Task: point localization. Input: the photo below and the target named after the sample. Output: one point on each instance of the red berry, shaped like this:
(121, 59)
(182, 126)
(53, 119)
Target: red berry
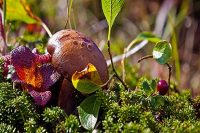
(162, 87)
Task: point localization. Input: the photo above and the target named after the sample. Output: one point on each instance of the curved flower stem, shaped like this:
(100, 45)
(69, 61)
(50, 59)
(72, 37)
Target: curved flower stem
(115, 73)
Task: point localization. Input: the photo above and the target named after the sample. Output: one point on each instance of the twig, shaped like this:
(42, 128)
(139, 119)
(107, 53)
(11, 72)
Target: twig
(46, 29)
(116, 75)
(145, 57)
(170, 72)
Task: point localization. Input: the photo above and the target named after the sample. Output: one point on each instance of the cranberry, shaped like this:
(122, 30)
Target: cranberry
(162, 87)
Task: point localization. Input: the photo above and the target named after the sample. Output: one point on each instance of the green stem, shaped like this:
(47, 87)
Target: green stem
(176, 56)
(109, 31)
(115, 73)
(170, 72)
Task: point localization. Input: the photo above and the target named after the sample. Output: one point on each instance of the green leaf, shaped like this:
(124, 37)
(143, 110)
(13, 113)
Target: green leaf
(111, 9)
(16, 11)
(86, 86)
(148, 36)
(162, 52)
(88, 80)
(88, 112)
(146, 87)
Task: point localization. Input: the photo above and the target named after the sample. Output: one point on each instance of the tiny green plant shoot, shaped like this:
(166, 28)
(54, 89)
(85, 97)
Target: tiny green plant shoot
(111, 9)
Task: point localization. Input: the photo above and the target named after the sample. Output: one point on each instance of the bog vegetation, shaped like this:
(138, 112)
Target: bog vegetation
(43, 88)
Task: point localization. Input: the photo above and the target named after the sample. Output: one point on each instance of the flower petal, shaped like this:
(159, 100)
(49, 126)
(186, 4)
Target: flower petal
(16, 79)
(22, 57)
(23, 61)
(41, 98)
(49, 76)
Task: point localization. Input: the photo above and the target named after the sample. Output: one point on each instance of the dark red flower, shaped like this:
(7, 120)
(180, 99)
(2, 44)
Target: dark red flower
(32, 72)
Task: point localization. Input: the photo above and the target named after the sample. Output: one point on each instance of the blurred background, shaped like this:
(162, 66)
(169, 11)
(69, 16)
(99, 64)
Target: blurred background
(174, 20)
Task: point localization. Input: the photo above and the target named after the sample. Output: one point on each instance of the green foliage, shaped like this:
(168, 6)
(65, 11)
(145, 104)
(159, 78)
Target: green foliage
(53, 115)
(41, 130)
(147, 36)
(15, 11)
(1, 70)
(15, 106)
(70, 125)
(88, 112)
(136, 111)
(148, 87)
(121, 111)
(111, 9)
(18, 113)
(162, 52)
(5, 128)
(85, 85)
(30, 125)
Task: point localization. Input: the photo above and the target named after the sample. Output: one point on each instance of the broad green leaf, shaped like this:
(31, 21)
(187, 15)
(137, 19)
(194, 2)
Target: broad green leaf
(88, 80)
(88, 112)
(148, 36)
(15, 10)
(162, 52)
(111, 9)
(86, 86)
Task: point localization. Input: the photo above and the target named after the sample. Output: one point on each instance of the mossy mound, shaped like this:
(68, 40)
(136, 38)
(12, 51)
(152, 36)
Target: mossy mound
(121, 111)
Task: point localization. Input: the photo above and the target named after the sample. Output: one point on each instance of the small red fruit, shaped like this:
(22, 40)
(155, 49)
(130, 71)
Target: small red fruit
(162, 87)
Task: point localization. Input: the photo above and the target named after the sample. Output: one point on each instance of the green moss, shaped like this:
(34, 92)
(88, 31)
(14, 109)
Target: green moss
(121, 111)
